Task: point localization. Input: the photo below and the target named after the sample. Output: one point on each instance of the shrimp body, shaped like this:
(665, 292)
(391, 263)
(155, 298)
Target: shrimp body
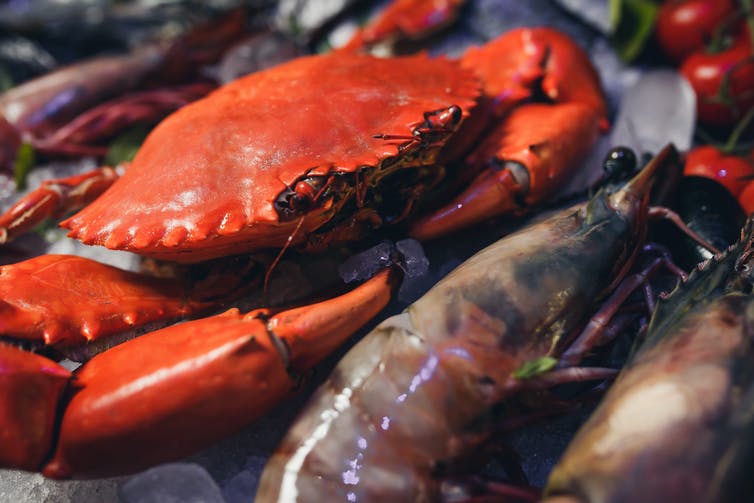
(417, 394)
(677, 425)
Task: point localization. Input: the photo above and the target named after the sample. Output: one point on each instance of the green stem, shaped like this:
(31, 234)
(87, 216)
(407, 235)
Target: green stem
(722, 35)
(730, 145)
(749, 13)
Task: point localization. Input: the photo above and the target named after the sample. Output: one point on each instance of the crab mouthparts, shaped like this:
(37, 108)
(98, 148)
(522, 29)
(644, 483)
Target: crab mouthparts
(383, 194)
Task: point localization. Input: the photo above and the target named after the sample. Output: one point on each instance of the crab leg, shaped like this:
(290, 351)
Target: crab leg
(54, 199)
(66, 300)
(179, 389)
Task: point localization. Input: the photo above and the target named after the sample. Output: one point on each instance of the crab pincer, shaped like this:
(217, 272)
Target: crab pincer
(544, 109)
(168, 393)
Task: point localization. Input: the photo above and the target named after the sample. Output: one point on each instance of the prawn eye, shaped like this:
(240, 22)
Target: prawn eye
(620, 164)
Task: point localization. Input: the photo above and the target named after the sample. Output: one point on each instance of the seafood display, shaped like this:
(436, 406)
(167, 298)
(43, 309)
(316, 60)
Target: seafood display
(341, 138)
(677, 423)
(440, 368)
(293, 187)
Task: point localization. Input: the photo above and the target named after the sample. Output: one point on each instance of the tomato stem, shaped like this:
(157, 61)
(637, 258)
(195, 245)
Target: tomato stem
(730, 145)
(724, 96)
(723, 35)
(749, 14)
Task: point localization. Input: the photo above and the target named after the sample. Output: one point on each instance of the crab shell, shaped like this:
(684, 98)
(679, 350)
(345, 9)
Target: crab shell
(205, 182)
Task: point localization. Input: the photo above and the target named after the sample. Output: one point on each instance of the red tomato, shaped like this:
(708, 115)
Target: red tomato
(731, 171)
(706, 72)
(687, 26)
(746, 199)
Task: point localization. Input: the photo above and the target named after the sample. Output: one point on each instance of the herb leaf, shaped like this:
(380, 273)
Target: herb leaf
(124, 147)
(25, 160)
(634, 21)
(534, 368)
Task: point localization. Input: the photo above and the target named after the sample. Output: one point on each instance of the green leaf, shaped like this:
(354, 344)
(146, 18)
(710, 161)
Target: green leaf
(614, 11)
(125, 146)
(634, 22)
(25, 159)
(535, 367)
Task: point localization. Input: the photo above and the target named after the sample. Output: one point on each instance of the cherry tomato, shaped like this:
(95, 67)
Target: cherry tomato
(731, 171)
(706, 73)
(746, 199)
(687, 26)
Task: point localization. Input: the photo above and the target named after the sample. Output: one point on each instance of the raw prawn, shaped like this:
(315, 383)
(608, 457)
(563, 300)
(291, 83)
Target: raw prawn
(419, 391)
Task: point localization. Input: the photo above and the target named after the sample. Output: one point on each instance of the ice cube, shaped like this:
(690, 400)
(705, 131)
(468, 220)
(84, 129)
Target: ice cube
(24, 487)
(415, 263)
(659, 109)
(366, 264)
(171, 483)
(242, 487)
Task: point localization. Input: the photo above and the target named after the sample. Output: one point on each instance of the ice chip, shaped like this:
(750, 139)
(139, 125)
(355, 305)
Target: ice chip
(415, 263)
(241, 488)
(24, 487)
(366, 264)
(596, 13)
(171, 483)
(659, 109)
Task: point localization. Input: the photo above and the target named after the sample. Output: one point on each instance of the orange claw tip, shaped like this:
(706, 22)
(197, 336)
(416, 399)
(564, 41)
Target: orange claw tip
(491, 194)
(312, 332)
(54, 370)
(32, 387)
(562, 499)
(58, 470)
(14, 361)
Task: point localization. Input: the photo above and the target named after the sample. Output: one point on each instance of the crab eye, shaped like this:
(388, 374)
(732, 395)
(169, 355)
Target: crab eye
(301, 197)
(444, 118)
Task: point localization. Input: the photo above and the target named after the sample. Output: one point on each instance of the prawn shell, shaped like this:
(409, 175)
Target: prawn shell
(678, 418)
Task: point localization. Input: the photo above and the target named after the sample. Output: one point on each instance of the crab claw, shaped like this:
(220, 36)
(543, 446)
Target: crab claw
(524, 162)
(531, 63)
(406, 19)
(184, 387)
(32, 387)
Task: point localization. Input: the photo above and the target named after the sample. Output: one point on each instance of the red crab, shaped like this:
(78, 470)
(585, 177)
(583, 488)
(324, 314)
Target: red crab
(319, 150)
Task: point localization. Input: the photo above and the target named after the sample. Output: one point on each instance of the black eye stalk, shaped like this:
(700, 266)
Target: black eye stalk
(620, 164)
(302, 197)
